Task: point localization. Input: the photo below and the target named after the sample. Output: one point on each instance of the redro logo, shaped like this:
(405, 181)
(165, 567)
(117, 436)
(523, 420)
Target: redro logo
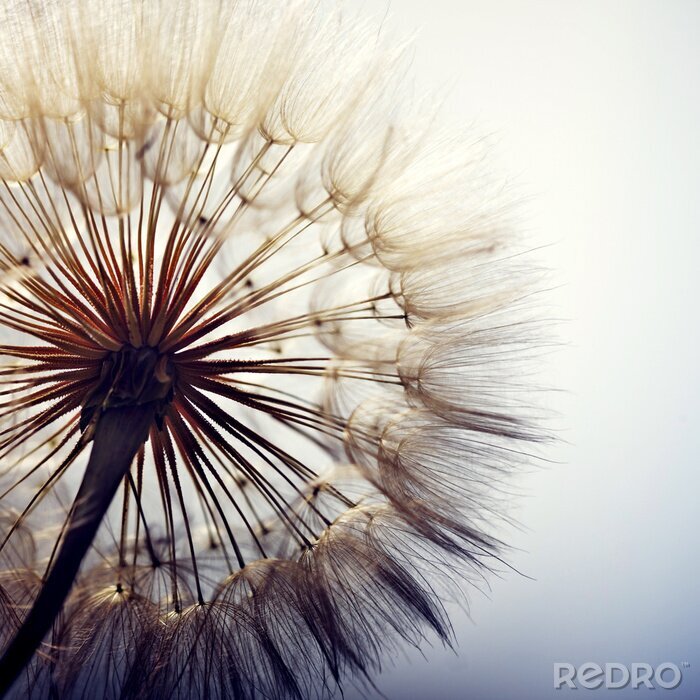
(613, 676)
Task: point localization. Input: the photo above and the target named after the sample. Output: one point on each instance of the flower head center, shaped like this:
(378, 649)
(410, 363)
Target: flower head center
(131, 377)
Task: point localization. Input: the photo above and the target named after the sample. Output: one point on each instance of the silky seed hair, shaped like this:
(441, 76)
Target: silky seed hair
(268, 343)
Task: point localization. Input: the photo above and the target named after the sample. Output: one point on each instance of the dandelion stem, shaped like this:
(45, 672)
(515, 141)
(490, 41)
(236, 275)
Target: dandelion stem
(119, 434)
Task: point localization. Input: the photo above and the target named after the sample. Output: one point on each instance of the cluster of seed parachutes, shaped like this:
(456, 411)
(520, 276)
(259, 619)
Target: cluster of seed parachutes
(346, 334)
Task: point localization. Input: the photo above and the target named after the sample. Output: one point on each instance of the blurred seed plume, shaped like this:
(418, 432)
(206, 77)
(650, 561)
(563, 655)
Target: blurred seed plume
(265, 348)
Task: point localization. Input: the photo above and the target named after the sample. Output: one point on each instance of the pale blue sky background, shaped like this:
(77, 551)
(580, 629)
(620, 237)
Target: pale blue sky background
(596, 108)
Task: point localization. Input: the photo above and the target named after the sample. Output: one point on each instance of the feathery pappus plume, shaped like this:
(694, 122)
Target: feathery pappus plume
(265, 351)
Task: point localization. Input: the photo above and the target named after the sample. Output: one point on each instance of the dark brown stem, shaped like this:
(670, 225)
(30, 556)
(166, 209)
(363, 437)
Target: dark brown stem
(119, 434)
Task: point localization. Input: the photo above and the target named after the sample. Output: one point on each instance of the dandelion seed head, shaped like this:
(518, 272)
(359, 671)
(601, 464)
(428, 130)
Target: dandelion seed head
(266, 345)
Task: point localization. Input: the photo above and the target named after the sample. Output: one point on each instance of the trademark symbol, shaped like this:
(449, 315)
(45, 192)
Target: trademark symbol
(685, 664)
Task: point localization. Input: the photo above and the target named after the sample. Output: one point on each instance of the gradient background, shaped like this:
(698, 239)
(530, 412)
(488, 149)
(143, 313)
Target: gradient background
(596, 110)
